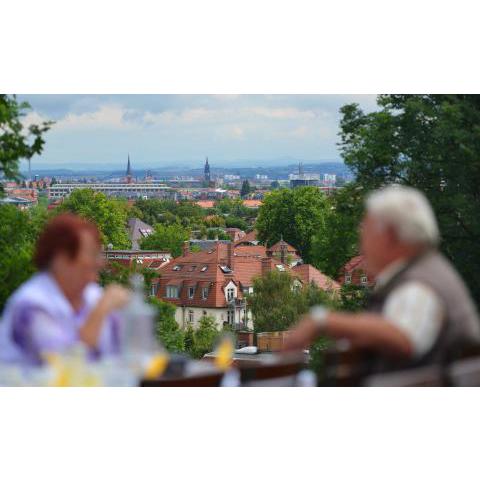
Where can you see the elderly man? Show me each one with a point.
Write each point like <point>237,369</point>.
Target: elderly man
<point>420,307</point>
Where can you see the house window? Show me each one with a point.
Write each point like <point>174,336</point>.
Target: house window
<point>204,293</point>
<point>231,316</point>
<point>230,294</point>
<point>153,289</point>
<point>191,292</point>
<point>363,279</point>
<point>172,291</point>
<point>190,316</point>
<point>348,278</point>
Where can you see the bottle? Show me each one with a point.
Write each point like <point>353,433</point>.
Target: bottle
<point>138,339</point>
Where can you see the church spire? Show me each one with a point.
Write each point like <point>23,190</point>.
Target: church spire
<point>206,171</point>
<point>129,168</point>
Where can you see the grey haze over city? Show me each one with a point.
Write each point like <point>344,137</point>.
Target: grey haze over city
<point>96,132</point>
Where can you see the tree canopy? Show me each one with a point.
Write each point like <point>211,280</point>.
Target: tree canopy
<point>110,215</point>
<point>277,301</point>
<point>431,142</point>
<point>17,141</point>
<point>336,241</point>
<point>296,214</point>
<point>166,237</point>
<point>17,237</point>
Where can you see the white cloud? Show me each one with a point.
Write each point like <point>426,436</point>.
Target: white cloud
<point>107,116</point>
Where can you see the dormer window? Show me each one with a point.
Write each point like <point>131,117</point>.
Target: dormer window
<point>172,291</point>
<point>230,293</point>
<point>348,278</point>
<point>363,279</point>
<point>191,292</point>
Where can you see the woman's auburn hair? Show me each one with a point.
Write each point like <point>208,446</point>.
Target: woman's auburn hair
<point>62,234</point>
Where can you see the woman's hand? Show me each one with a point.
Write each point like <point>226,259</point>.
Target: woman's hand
<point>302,335</point>
<point>114,297</point>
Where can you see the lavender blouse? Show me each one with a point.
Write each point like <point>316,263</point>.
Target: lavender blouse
<point>38,318</point>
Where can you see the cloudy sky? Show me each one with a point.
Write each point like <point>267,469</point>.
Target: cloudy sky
<point>97,131</point>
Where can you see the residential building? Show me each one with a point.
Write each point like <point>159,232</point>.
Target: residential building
<point>138,230</point>
<point>124,190</point>
<point>216,282</point>
<point>355,272</point>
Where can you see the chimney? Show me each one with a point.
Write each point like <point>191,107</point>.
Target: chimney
<point>266,265</point>
<point>186,248</point>
<point>230,256</point>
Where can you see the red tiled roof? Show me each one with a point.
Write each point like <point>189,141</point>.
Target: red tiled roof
<point>252,203</point>
<point>249,237</point>
<point>250,250</point>
<point>205,203</point>
<point>308,273</point>
<point>355,262</point>
<point>277,247</point>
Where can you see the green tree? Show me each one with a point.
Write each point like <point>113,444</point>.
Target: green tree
<point>245,190</point>
<point>274,303</point>
<point>16,244</point>
<point>296,214</point>
<point>166,237</point>
<point>110,215</point>
<point>204,337</point>
<point>275,185</point>
<point>336,241</point>
<point>166,327</point>
<point>236,222</point>
<point>16,140</point>
<point>278,300</point>
<point>230,206</point>
<point>431,142</point>
<point>217,233</point>
<point>154,210</point>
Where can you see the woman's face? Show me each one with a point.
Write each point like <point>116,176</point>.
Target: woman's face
<point>84,268</point>
<point>89,259</point>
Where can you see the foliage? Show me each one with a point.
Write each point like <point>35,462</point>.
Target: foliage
<point>202,340</point>
<point>214,221</point>
<point>166,237</point>
<point>277,301</point>
<point>354,298</point>
<point>154,210</point>
<point>236,222</point>
<point>431,142</point>
<point>166,327</point>
<point>294,214</point>
<point>17,238</point>
<point>234,207</point>
<point>275,184</point>
<point>116,272</point>
<point>110,215</point>
<point>16,140</point>
<point>245,190</point>
<point>336,241</point>
<point>217,233</point>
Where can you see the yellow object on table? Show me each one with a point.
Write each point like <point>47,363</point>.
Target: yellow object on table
<point>224,353</point>
<point>156,366</point>
<point>71,370</point>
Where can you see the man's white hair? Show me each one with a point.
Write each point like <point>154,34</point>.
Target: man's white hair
<point>407,211</point>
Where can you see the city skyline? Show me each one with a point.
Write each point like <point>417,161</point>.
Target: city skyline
<point>98,131</point>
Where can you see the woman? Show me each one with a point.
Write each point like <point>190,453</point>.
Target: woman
<point>62,304</point>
